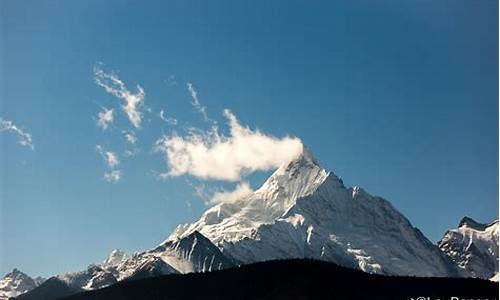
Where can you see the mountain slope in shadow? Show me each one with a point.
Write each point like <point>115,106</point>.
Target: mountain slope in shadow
<point>52,288</point>
<point>290,279</point>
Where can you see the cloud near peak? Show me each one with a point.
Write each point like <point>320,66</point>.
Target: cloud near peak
<point>213,155</point>
<point>242,190</point>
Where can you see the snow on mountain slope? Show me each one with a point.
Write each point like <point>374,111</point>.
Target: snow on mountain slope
<point>191,253</point>
<point>304,211</point>
<point>473,247</point>
<point>97,275</point>
<point>94,277</point>
<point>154,267</point>
<point>237,220</point>
<point>115,258</point>
<point>116,267</point>
<point>140,263</point>
<point>16,283</point>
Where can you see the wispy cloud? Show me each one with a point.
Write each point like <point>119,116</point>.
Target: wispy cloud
<point>111,160</point>
<point>113,176</point>
<point>242,190</point>
<point>116,87</point>
<point>109,157</point>
<point>212,155</point>
<point>130,136</point>
<point>196,102</point>
<point>24,138</point>
<point>169,120</point>
<point>104,118</point>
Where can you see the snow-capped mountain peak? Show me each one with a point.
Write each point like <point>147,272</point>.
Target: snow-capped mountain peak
<point>97,275</point>
<point>16,283</point>
<point>295,179</point>
<point>303,210</point>
<point>94,277</point>
<point>115,258</point>
<point>237,220</point>
<point>291,181</point>
<point>473,246</point>
<point>471,223</point>
<point>192,253</point>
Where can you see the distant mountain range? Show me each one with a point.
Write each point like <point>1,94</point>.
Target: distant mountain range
<point>301,211</point>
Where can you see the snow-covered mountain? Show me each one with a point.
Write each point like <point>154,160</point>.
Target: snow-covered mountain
<point>191,253</point>
<point>16,283</point>
<point>114,259</point>
<point>473,247</point>
<point>94,277</point>
<point>302,210</point>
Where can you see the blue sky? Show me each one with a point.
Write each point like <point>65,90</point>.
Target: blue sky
<point>399,97</point>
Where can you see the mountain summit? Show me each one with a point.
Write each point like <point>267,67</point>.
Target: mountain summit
<point>233,221</point>
<point>473,247</point>
<point>304,211</point>
<point>16,283</point>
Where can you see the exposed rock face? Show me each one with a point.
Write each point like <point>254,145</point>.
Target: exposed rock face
<point>473,247</point>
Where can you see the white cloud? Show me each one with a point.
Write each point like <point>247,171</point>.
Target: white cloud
<point>114,86</point>
<point>111,160</point>
<point>109,157</point>
<point>24,137</point>
<point>215,156</point>
<point>130,136</point>
<point>196,103</point>
<point>242,190</point>
<point>113,176</point>
<point>171,121</point>
<point>104,118</point>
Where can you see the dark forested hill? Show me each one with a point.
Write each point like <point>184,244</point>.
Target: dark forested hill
<point>288,279</point>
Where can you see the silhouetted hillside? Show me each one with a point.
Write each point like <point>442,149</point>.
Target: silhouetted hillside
<point>289,279</point>
<point>52,288</point>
